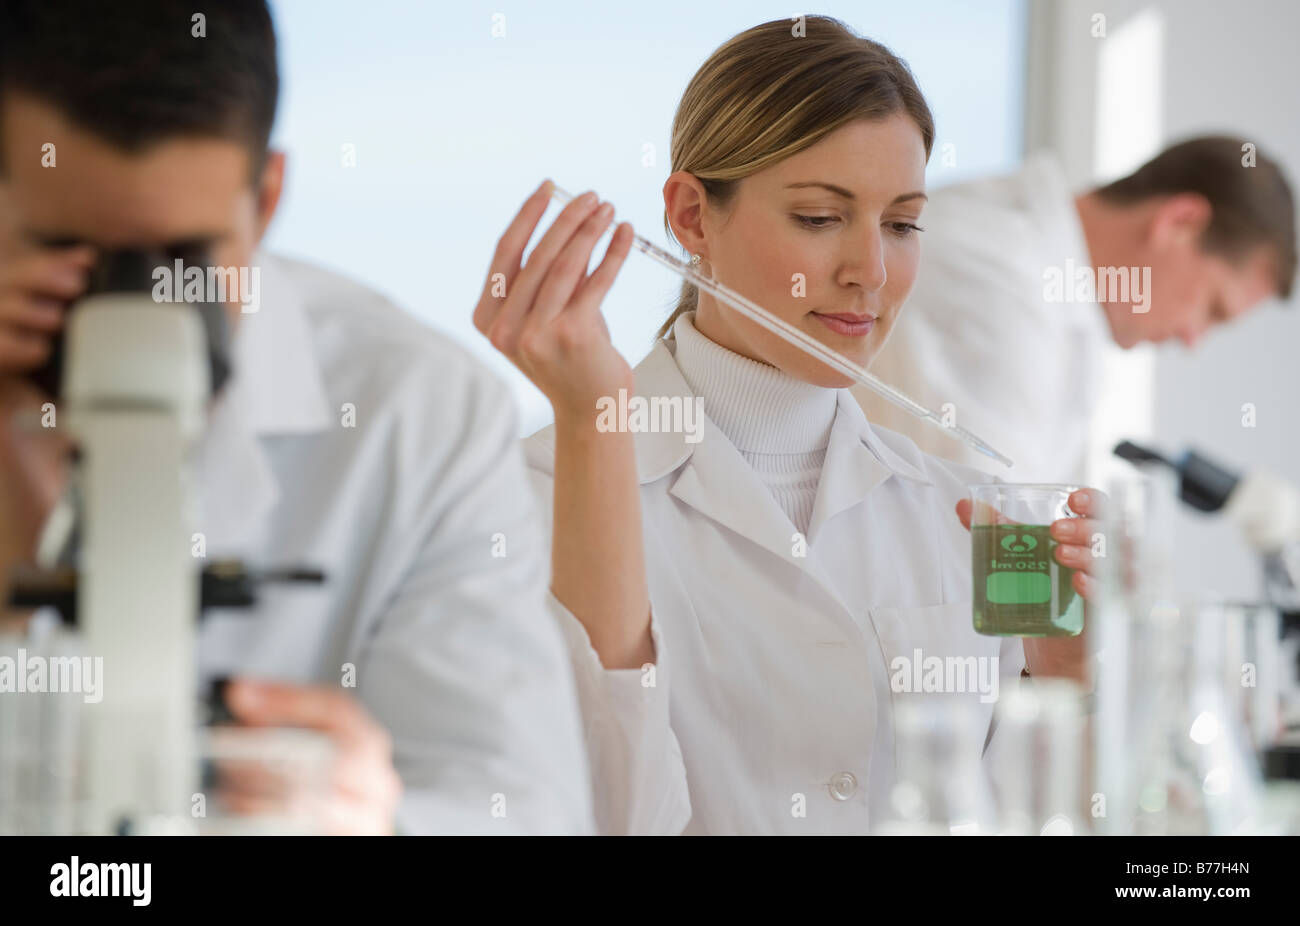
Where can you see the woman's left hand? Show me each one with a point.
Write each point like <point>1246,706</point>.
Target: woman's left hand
<point>1066,656</point>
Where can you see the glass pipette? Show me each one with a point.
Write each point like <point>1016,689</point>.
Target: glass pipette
<point>797,338</point>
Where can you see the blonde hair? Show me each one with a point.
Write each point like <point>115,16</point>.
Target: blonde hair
<point>772,91</point>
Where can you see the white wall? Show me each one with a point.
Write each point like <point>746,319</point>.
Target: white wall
<point>1216,66</point>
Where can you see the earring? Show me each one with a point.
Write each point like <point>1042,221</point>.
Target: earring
<point>695,259</point>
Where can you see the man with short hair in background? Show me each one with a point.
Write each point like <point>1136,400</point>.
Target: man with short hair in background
<point>1023,283</point>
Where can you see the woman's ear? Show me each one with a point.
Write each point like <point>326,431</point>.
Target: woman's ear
<point>269,188</point>
<point>1180,220</point>
<point>684,204</point>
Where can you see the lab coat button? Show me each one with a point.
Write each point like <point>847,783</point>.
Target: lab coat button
<point>843,785</point>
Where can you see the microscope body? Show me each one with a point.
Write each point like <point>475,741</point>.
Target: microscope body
<point>133,379</point>
<point>135,386</point>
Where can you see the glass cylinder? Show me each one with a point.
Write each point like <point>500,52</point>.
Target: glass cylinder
<point>941,787</point>
<point>1197,773</point>
<point>1038,753</point>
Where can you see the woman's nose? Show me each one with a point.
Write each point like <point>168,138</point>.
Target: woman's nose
<point>864,262</point>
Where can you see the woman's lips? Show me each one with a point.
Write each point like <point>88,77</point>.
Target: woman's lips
<point>855,326</point>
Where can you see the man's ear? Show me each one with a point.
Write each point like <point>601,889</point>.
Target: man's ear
<point>1180,219</point>
<point>684,202</point>
<point>269,187</point>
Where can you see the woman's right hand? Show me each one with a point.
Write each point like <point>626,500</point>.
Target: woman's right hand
<point>545,316</point>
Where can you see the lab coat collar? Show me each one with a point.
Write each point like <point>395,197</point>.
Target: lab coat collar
<point>857,461</point>
<point>276,387</point>
<point>716,481</point>
<point>660,452</point>
<point>275,357</point>
<point>711,475</point>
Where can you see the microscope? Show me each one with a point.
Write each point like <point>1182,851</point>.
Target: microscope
<point>132,379</point>
<point>1266,509</point>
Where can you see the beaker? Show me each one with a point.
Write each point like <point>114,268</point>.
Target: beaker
<point>1019,587</point>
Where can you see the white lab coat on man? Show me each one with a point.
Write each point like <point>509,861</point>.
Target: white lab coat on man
<point>354,439</point>
<point>984,338</point>
<point>771,696</point>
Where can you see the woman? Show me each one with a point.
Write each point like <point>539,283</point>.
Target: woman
<point>735,599</point>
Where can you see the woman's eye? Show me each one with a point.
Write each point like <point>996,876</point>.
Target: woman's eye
<point>904,229</point>
<point>817,221</point>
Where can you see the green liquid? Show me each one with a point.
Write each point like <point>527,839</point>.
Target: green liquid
<point>1020,589</point>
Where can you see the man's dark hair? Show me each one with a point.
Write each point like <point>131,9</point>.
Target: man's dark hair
<point>1252,205</point>
<point>134,73</point>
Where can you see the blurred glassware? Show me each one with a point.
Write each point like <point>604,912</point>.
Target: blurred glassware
<point>1126,623</point>
<point>1173,734</point>
<point>1201,774</point>
<point>263,781</point>
<point>256,781</point>
<point>253,781</point>
<point>941,787</point>
<point>1251,663</point>
<point>1038,767</point>
<point>41,733</point>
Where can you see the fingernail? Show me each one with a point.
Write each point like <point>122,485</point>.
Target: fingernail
<point>587,198</point>
<point>605,211</point>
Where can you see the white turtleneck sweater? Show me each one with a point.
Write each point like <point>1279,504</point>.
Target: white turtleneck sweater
<point>780,425</point>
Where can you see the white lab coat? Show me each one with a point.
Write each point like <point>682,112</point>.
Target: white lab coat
<point>772,678</point>
<point>979,338</point>
<point>355,439</point>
